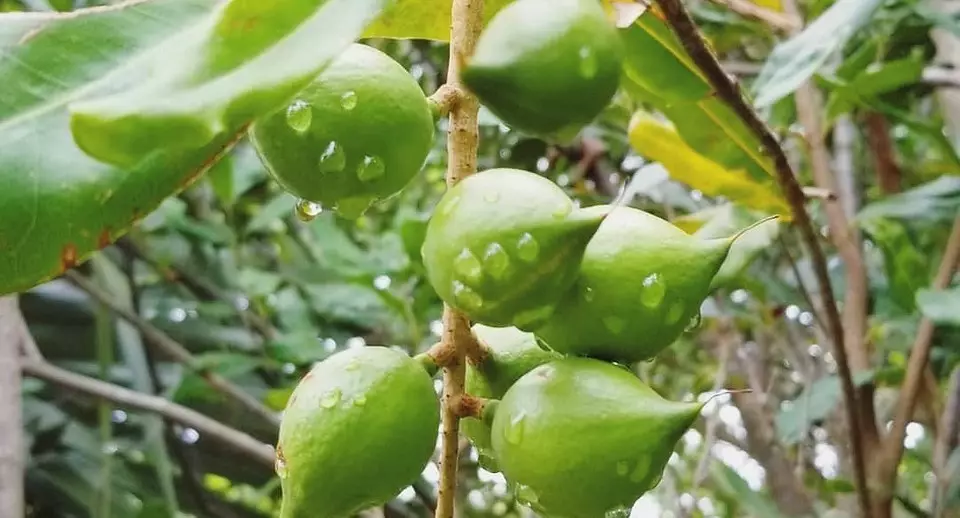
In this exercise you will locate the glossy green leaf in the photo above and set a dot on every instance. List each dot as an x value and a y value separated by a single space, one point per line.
658 141
658 71
422 19
876 79
797 59
753 502
162 87
940 306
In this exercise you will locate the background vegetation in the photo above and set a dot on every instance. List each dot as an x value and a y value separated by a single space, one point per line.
222 291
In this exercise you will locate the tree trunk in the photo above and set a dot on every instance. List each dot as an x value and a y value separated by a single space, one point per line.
11 434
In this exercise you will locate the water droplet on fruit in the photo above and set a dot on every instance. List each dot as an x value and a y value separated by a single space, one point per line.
588 63
526 495
561 213
623 467
495 260
527 247
333 159
348 101
674 313
370 168
694 322
588 294
652 290
352 365
614 324
468 267
466 298
532 318
360 401
640 471
514 432
617 512
330 399
307 210
491 197
449 205
280 466
299 116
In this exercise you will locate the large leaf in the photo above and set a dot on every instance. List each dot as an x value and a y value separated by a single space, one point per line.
658 72
940 306
797 59
162 87
658 141
422 19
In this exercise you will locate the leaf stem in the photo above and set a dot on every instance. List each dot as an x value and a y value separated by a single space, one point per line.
729 91
462 143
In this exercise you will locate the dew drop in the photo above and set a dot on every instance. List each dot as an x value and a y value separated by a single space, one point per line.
280 466
652 290
330 399
617 512
588 63
360 401
491 196
299 116
526 495
468 267
307 210
348 101
614 324
527 247
495 260
694 323
466 298
532 318
370 168
449 205
514 431
561 213
674 313
333 159
588 294
640 471
623 467
352 365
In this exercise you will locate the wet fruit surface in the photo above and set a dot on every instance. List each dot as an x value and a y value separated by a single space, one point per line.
359 133
641 284
581 437
547 67
504 244
511 354
360 412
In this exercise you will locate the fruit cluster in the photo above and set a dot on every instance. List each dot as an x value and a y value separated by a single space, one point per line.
557 293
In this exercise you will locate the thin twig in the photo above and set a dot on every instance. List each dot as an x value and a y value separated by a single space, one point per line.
801 286
729 91
919 356
235 439
462 143
175 350
11 432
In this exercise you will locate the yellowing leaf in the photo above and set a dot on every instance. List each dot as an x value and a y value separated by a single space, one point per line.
660 142
422 19
773 5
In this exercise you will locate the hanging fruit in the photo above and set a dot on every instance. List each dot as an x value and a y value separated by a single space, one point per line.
360 411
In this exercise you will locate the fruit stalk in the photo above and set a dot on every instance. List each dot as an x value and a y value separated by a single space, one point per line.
462 139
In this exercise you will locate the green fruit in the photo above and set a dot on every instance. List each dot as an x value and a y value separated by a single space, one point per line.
503 245
357 134
547 67
511 354
581 437
642 281
359 427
